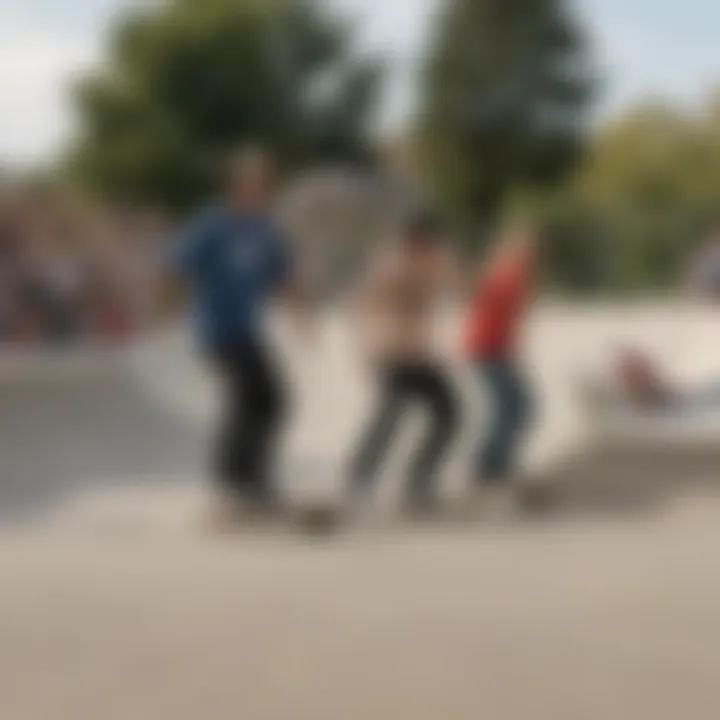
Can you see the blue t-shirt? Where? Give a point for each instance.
(234, 263)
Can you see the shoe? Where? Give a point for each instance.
(231, 511)
(358, 506)
(265, 506)
(319, 519)
(537, 496)
(495, 503)
(421, 506)
(223, 516)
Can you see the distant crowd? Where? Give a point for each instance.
(71, 272)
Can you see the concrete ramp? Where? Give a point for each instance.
(83, 420)
(90, 420)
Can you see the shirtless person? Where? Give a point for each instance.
(396, 303)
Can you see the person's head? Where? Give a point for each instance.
(520, 237)
(251, 180)
(515, 243)
(421, 235)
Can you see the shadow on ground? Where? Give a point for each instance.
(626, 479)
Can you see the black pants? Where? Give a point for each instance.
(403, 384)
(253, 414)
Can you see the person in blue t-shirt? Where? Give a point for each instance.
(235, 260)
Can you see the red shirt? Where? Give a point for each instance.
(497, 308)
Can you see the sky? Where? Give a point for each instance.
(644, 48)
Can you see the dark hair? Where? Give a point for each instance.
(250, 154)
(421, 228)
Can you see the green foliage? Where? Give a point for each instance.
(648, 195)
(187, 81)
(507, 88)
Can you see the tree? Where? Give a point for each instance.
(507, 87)
(646, 199)
(189, 80)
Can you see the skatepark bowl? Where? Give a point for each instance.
(114, 604)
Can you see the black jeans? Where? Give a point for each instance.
(402, 384)
(254, 410)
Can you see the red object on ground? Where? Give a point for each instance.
(498, 306)
(639, 376)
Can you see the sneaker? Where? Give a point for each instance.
(319, 519)
(223, 516)
(358, 507)
(265, 506)
(231, 511)
(495, 502)
(421, 506)
(537, 495)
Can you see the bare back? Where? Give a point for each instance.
(399, 301)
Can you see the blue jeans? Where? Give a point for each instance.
(509, 417)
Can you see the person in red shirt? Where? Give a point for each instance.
(497, 310)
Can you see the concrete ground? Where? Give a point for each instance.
(113, 605)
